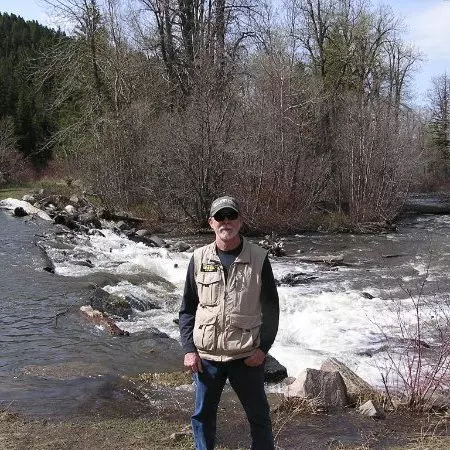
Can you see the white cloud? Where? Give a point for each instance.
(429, 28)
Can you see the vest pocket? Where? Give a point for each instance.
(205, 330)
(209, 285)
(242, 333)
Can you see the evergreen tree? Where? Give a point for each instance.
(22, 98)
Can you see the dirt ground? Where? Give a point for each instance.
(146, 418)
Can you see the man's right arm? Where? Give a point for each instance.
(187, 311)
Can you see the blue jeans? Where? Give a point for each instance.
(248, 383)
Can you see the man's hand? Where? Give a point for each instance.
(256, 359)
(192, 362)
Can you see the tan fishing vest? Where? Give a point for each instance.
(228, 317)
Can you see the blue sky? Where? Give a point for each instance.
(427, 22)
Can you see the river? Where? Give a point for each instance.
(55, 363)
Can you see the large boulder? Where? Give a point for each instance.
(357, 388)
(327, 389)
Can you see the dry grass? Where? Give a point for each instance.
(169, 379)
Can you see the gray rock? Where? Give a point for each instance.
(274, 372)
(326, 388)
(372, 409)
(157, 241)
(142, 233)
(110, 304)
(70, 209)
(74, 200)
(121, 225)
(356, 386)
(141, 305)
(180, 246)
(29, 198)
(90, 219)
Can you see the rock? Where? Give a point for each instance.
(55, 201)
(90, 219)
(29, 198)
(274, 372)
(141, 305)
(122, 226)
(372, 409)
(180, 246)
(142, 233)
(155, 333)
(326, 388)
(71, 210)
(74, 200)
(274, 245)
(110, 304)
(157, 241)
(20, 212)
(49, 266)
(86, 263)
(12, 203)
(140, 239)
(69, 222)
(356, 386)
(367, 295)
(293, 279)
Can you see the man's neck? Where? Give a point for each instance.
(229, 245)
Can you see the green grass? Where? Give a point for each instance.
(13, 192)
(50, 185)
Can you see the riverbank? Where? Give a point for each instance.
(295, 429)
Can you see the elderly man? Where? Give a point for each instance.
(228, 322)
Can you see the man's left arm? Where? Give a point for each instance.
(270, 312)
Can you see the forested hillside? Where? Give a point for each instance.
(162, 105)
(24, 102)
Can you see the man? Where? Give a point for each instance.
(228, 322)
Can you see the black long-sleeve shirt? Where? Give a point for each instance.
(270, 309)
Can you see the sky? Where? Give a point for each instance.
(427, 29)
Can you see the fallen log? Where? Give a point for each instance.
(116, 217)
(330, 260)
(98, 318)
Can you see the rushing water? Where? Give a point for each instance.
(54, 361)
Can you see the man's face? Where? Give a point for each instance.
(226, 223)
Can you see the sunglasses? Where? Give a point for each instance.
(222, 215)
